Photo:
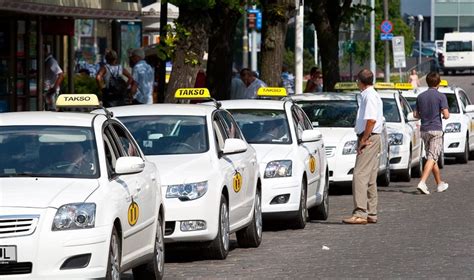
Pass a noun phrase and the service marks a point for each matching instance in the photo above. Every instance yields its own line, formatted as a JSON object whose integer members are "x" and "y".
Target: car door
{"x": 466, "y": 101}
{"x": 142, "y": 186}
{"x": 309, "y": 152}
{"x": 232, "y": 168}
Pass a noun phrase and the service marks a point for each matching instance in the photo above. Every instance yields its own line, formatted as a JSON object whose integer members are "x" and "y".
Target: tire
{"x": 219, "y": 248}
{"x": 384, "y": 179}
{"x": 114, "y": 259}
{"x": 153, "y": 270}
{"x": 464, "y": 158}
{"x": 417, "y": 170}
{"x": 251, "y": 236}
{"x": 405, "y": 175}
{"x": 441, "y": 160}
{"x": 302, "y": 215}
{"x": 321, "y": 211}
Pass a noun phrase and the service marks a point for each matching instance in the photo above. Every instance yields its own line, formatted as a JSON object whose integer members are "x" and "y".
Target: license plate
{"x": 7, "y": 254}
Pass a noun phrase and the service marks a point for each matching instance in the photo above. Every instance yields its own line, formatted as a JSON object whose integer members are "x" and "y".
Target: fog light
{"x": 454, "y": 145}
{"x": 193, "y": 225}
{"x": 280, "y": 199}
{"x": 395, "y": 160}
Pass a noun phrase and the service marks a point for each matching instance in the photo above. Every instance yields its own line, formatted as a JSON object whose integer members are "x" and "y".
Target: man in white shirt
{"x": 369, "y": 124}
{"x": 252, "y": 82}
{"x": 53, "y": 77}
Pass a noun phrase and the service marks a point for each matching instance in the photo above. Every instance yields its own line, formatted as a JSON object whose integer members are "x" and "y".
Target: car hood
{"x": 179, "y": 169}
{"x": 337, "y": 136}
{"x": 44, "y": 192}
{"x": 269, "y": 152}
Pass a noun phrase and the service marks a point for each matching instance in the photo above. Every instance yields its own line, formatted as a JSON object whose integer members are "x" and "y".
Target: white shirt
{"x": 251, "y": 90}
{"x": 51, "y": 71}
{"x": 370, "y": 108}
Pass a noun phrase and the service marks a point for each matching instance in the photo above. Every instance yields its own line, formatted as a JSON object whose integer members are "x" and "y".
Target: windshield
{"x": 390, "y": 110}
{"x": 459, "y": 46}
{"x": 452, "y": 103}
{"x": 263, "y": 126}
{"x": 168, "y": 135}
{"x": 48, "y": 151}
{"x": 330, "y": 113}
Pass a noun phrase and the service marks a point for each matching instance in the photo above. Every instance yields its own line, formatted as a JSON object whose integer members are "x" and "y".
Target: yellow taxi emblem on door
{"x": 192, "y": 93}
{"x": 403, "y": 86}
{"x": 133, "y": 213}
{"x": 384, "y": 86}
{"x": 237, "y": 182}
{"x": 272, "y": 91}
{"x": 346, "y": 86}
{"x": 312, "y": 164}
{"x": 77, "y": 100}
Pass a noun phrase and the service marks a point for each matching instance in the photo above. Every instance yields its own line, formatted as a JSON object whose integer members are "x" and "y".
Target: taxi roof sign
{"x": 272, "y": 92}
{"x": 346, "y": 86}
{"x": 192, "y": 93}
{"x": 384, "y": 86}
{"x": 77, "y": 100}
{"x": 403, "y": 86}
{"x": 443, "y": 83}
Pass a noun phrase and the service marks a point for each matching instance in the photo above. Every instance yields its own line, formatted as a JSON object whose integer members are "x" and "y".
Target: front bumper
{"x": 48, "y": 250}
{"x": 454, "y": 143}
{"x": 273, "y": 187}
{"x": 399, "y": 157}
{"x": 341, "y": 168}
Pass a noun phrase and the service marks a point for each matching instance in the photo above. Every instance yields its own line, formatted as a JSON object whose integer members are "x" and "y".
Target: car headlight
{"x": 395, "y": 139}
{"x": 185, "y": 192}
{"x": 278, "y": 168}
{"x": 74, "y": 216}
{"x": 350, "y": 148}
{"x": 453, "y": 127}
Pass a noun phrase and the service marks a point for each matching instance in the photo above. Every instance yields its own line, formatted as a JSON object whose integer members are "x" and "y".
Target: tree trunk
{"x": 189, "y": 51}
{"x": 221, "y": 58}
{"x": 276, "y": 15}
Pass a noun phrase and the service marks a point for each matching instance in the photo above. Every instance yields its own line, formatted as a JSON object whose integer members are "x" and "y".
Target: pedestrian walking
{"x": 287, "y": 80}
{"x": 53, "y": 78}
{"x": 430, "y": 105}
{"x": 315, "y": 81}
{"x": 143, "y": 78}
{"x": 369, "y": 124}
{"x": 237, "y": 86}
{"x": 110, "y": 81}
{"x": 413, "y": 79}
{"x": 251, "y": 82}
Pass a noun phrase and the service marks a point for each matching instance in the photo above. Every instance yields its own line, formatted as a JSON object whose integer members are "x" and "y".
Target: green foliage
{"x": 82, "y": 85}
{"x": 194, "y": 4}
{"x": 173, "y": 34}
{"x": 289, "y": 60}
{"x": 355, "y": 12}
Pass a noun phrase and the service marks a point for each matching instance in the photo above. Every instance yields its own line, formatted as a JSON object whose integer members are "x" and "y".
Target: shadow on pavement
{"x": 184, "y": 253}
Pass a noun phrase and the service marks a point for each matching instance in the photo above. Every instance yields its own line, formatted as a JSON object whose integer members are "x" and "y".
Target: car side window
{"x": 298, "y": 121}
{"x": 111, "y": 151}
{"x": 464, "y": 99}
{"x": 218, "y": 132}
{"x": 306, "y": 122}
{"x": 125, "y": 141}
{"x": 231, "y": 128}
{"x": 405, "y": 107}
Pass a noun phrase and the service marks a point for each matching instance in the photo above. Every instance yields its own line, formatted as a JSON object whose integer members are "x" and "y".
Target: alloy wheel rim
{"x": 225, "y": 226}
{"x": 159, "y": 247}
{"x": 258, "y": 215}
{"x": 114, "y": 259}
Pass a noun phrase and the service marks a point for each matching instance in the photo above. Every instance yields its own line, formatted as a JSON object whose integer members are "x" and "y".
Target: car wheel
{"x": 384, "y": 179}
{"x": 418, "y": 169}
{"x": 302, "y": 215}
{"x": 113, "y": 264}
{"x": 464, "y": 158}
{"x": 321, "y": 212}
{"x": 155, "y": 268}
{"x": 219, "y": 247}
{"x": 406, "y": 173}
{"x": 251, "y": 236}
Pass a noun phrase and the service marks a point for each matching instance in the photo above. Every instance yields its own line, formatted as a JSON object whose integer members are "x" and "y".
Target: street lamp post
{"x": 420, "y": 22}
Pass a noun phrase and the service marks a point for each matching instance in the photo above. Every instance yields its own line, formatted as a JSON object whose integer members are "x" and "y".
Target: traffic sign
{"x": 386, "y": 26}
{"x": 254, "y": 19}
{"x": 386, "y": 36}
{"x": 398, "y": 47}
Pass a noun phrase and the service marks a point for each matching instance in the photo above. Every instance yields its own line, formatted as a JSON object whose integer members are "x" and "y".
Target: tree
{"x": 276, "y": 14}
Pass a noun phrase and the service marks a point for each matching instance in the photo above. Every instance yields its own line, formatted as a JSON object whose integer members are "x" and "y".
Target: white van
{"x": 458, "y": 51}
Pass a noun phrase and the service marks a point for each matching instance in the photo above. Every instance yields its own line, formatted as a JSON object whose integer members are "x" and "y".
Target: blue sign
{"x": 386, "y": 36}
{"x": 386, "y": 26}
{"x": 259, "y": 20}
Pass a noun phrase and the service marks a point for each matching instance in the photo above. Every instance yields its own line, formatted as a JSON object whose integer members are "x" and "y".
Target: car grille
{"x": 330, "y": 151}
{"x": 17, "y": 225}
{"x": 15, "y": 268}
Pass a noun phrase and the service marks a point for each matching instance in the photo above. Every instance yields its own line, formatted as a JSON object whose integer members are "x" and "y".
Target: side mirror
{"x": 469, "y": 109}
{"x": 411, "y": 117}
{"x": 129, "y": 165}
{"x": 234, "y": 145}
{"x": 311, "y": 135}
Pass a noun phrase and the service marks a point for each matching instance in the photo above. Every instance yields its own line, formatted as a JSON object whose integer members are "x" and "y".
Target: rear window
{"x": 459, "y": 46}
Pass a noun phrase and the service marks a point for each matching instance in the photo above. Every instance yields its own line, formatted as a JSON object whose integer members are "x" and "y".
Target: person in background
{"x": 413, "y": 79}
{"x": 53, "y": 78}
{"x": 430, "y": 105}
{"x": 369, "y": 125}
{"x": 112, "y": 69}
{"x": 143, "y": 77}
{"x": 237, "y": 87}
{"x": 287, "y": 80}
{"x": 251, "y": 82}
{"x": 315, "y": 82}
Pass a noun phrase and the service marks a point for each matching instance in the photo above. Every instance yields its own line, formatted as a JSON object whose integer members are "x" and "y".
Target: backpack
{"x": 115, "y": 91}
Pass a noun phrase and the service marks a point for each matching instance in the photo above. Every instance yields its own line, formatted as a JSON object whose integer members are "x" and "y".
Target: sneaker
{"x": 442, "y": 187}
{"x": 423, "y": 188}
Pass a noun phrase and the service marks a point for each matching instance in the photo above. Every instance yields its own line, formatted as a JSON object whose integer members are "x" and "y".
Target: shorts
{"x": 433, "y": 141}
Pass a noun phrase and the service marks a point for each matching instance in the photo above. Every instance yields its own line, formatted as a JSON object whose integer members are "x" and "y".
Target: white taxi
{"x": 459, "y": 128}
{"x": 290, "y": 156}
{"x": 211, "y": 182}
{"x": 406, "y": 145}
{"x": 334, "y": 114}
{"x": 78, "y": 199}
